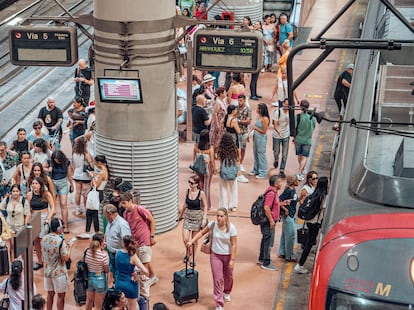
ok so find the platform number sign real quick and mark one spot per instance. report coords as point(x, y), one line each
point(227, 50)
point(43, 46)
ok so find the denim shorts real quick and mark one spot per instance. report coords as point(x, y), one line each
point(61, 186)
point(97, 282)
point(302, 149)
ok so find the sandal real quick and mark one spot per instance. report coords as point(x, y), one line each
point(65, 230)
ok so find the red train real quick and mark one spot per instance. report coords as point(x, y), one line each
point(365, 258)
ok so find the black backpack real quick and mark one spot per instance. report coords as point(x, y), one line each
point(257, 212)
point(80, 281)
point(310, 207)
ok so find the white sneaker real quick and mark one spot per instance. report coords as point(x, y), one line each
point(78, 211)
point(275, 104)
point(300, 177)
point(252, 173)
point(152, 281)
point(226, 297)
point(233, 209)
point(219, 308)
point(242, 168)
point(305, 171)
point(241, 178)
point(261, 176)
point(300, 269)
point(84, 236)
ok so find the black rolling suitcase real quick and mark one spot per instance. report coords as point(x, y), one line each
point(4, 261)
point(186, 283)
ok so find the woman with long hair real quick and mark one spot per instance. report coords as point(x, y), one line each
point(309, 186)
point(126, 261)
point(18, 213)
point(41, 201)
point(193, 211)
point(39, 171)
point(61, 176)
point(14, 286)
point(82, 161)
point(259, 141)
point(231, 124)
point(228, 154)
point(223, 255)
point(269, 31)
point(205, 149)
point(99, 179)
point(219, 112)
point(314, 224)
point(22, 173)
point(97, 260)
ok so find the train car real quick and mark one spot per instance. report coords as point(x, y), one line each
point(365, 259)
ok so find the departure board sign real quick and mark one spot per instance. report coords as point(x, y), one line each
point(227, 50)
point(43, 46)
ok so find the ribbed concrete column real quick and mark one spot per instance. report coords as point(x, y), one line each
point(140, 140)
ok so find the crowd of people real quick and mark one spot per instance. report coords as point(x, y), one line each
point(37, 178)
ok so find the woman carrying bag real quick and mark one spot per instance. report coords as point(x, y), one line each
point(18, 213)
point(222, 256)
point(13, 286)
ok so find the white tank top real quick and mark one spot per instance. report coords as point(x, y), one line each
point(79, 162)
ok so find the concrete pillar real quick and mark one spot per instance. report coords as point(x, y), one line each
point(140, 141)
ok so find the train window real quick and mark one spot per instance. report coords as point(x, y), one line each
point(343, 301)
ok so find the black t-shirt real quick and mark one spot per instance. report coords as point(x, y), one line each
point(341, 91)
point(50, 118)
point(20, 146)
point(87, 75)
point(199, 117)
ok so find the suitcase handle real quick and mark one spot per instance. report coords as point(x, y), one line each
point(188, 271)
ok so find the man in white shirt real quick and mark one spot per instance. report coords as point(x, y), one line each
point(280, 134)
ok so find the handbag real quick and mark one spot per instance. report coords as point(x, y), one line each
point(303, 234)
point(199, 165)
point(5, 231)
point(206, 245)
point(5, 301)
point(92, 200)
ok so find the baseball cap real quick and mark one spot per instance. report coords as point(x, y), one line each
point(350, 66)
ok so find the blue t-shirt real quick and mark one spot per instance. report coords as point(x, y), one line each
point(284, 33)
point(290, 193)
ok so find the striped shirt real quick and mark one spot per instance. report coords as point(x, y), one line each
point(97, 263)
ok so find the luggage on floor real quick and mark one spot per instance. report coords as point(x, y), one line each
point(4, 261)
point(186, 283)
point(80, 281)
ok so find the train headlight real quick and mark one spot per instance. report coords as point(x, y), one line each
point(412, 270)
point(352, 262)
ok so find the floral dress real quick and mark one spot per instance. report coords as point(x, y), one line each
point(217, 128)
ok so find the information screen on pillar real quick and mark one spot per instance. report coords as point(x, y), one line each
point(120, 90)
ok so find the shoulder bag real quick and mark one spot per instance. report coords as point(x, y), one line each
point(207, 242)
point(5, 301)
point(92, 200)
point(199, 165)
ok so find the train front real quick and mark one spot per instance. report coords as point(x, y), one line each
point(366, 262)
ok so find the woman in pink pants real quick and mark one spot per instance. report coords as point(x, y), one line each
point(223, 255)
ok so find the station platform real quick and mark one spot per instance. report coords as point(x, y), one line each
point(253, 287)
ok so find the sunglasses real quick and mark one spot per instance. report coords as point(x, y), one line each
point(191, 182)
point(315, 178)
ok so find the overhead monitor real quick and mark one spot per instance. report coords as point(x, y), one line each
point(120, 90)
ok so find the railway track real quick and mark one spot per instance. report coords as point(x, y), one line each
point(23, 90)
